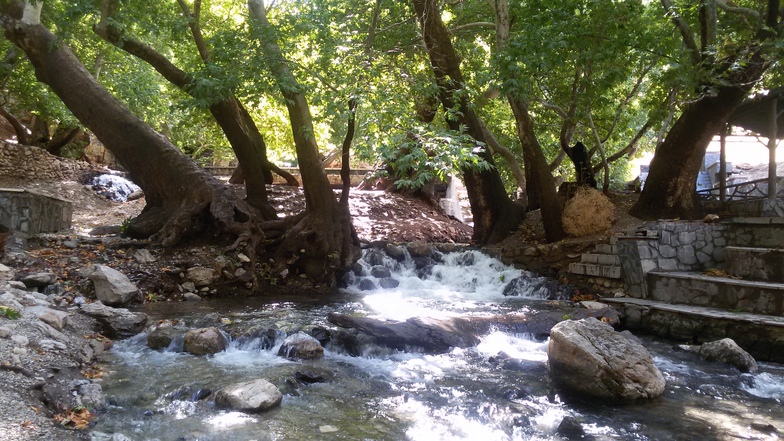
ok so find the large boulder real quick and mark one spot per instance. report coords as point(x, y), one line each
point(301, 346)
point(204, 341)
point(727, 351)
point(112, 287)
point(589, 359)
point(116, 322)
point(251, 396)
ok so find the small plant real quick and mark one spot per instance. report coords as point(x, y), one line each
point(9, 313)
point(125, 225)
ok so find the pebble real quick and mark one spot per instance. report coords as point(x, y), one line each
point(20, 340)
point(5, 332)
point(20, 351)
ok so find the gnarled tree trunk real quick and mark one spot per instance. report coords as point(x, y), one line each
point(178, 192)
point(495, 215)
point(322, 243)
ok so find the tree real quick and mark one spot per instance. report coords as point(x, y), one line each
point(495, 215)
point(323, 242)
point(235, 121)
point(723, 71)
point(179, 194)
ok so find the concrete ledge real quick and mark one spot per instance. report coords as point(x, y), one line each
point(761, 335)
point(607, 271)
point(764, 264)
point(686, 288)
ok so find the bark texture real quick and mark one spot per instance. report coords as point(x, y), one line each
point(495, 215)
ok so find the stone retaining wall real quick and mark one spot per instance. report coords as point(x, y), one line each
point(36, 164)
point(669, 246)
point(28, 213)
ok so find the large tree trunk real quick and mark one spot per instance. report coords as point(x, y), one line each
point(495, 215)
point(322, 244)
point(670, 190)
point(540, 183)
point(233, 119)
point(178, 192)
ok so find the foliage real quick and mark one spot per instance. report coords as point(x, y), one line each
point(9, 313)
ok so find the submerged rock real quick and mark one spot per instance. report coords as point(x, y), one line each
point(588, 358)
point(162, 337)
point(727, 351)
point(250, 396)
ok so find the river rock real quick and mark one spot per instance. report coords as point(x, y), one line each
point(251, 396)
point(420, 249)
point(144, 256)
point(395, 251)
point(301, 346)
point(590, 359)
point(6, 273)
point(112, 287)
point(52, 317)
point(39, 280)
point(204, 341)
point(191, 297)
point(380, 272)
point(727, 351)
point(116, 322)
point(388, 283)
point(201, 276)
point(162, 337)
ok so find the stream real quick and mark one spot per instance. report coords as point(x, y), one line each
point(497, 390)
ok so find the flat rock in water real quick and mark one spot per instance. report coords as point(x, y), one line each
point(727, 351)
point(251, 396)
point(116, 322)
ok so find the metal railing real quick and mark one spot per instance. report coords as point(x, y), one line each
point(743, 191)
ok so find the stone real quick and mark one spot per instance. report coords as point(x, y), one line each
point(6, 273)
point(52, 317)
point(388, 283)
point(395, 251)
point(188, 286)
point(144, 256)
point(201, 276)
point(301, 346)
point(51, 345)
point(39, 280)
point(204, 341)
point(251, 396)
point(5, 332)
point(588, 358)
point(116, 322)
point(367, 285)
point(20, 340)
point(727, 351)
point(380, 272)
point(112, 287)
point(420, 249)
point(191, 297)
point(162, 337)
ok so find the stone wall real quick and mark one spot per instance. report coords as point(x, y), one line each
point(765, 232)
point(20, 162)
point(669, 246)
point(25, 212)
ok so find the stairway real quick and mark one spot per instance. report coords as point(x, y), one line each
point(601, 266)
point(744, 301)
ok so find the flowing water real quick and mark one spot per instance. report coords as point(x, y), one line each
point(498, 390)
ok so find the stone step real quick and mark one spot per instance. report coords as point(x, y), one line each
point(606, 248)
point(600, 259)
point(689, 288)
point(764, 264)
point(761, 335)
point(756, 232)
point(596, 270)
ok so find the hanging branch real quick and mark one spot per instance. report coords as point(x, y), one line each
point(605, 166)
point(685, 30)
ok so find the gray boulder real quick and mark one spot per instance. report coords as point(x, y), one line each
point(116, 322)
point(395, 251)
point(112, 287)
point(420, 249)
point(201, 276)
point(301, 346)
point(52, 317)
point(162, 337)
point(251, 396)
point(204, 341)
point(588, 358)
point(39, 280)
point(727, 351)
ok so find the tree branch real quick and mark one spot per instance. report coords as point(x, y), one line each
point(731, 8)
point(193, 23)
point(685, 30)
point(475, 25)
point(708, 20)
point(22, 137)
